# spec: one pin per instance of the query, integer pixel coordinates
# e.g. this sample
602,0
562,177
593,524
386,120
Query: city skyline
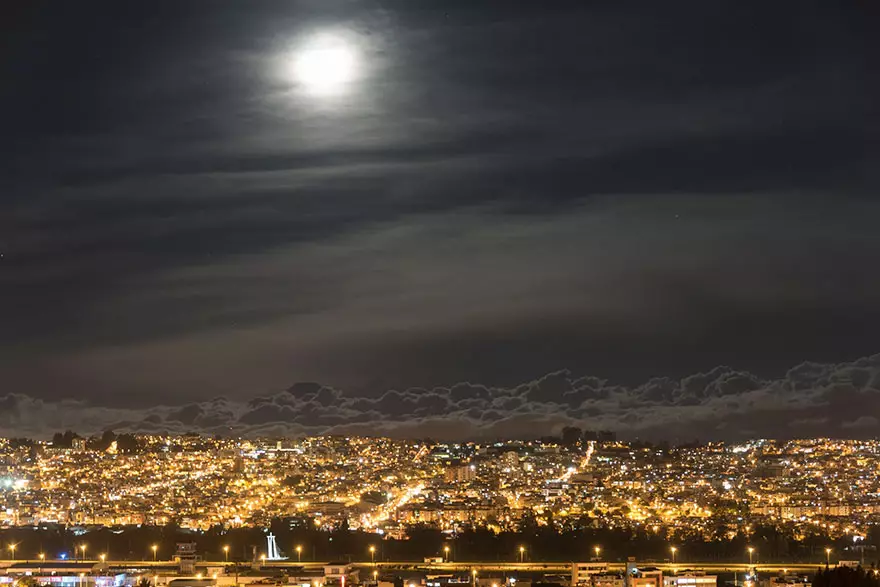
695,494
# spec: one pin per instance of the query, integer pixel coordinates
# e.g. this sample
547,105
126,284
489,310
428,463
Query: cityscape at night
581,508
714,491
439,293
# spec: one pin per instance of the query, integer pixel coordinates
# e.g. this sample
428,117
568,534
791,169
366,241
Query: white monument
272,552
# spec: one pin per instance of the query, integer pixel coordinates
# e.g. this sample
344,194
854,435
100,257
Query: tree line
541,542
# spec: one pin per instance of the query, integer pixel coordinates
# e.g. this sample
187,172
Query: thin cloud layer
722,403
627,188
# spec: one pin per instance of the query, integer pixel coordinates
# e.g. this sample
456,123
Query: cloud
651,192
712,405
864,424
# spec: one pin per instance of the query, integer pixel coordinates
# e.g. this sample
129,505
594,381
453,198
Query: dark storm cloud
626,190
707,405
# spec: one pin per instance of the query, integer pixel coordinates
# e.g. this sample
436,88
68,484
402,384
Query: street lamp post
42,560
522,554
751,552
299,553
82,547
474,574
597,550
827,557
155,549
373,554
674,550
12,550
446,553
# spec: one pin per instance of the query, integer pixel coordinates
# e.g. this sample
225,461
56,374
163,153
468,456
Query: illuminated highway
449,567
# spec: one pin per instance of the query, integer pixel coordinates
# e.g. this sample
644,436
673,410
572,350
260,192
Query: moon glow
326,65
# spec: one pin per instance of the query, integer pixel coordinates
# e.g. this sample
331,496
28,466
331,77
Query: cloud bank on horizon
811,399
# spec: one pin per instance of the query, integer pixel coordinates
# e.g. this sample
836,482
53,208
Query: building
460,473
786,581
340,573
690,580
643,576
646,579
510,459
607,580
582,573
185,556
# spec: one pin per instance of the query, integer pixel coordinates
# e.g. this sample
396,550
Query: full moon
326,65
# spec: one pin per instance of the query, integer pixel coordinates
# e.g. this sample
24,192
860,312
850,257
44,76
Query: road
452,567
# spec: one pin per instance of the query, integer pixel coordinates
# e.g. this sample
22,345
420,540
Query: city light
382,487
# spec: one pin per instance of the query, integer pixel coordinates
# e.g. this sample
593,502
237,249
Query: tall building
459,473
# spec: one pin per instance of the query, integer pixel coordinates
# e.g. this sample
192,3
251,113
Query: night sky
660,218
